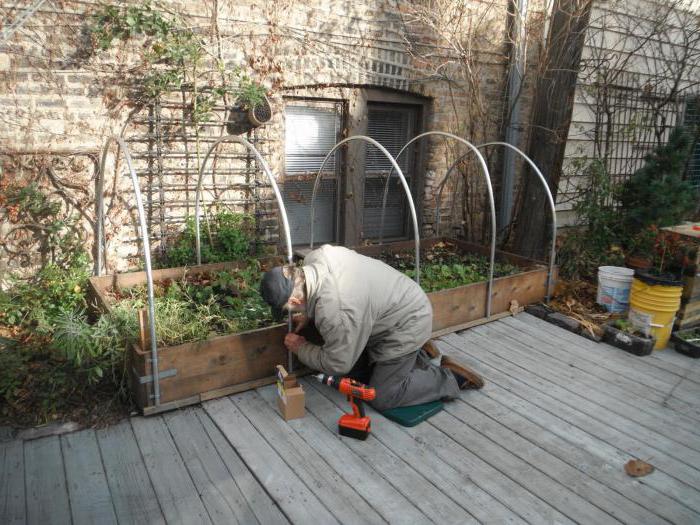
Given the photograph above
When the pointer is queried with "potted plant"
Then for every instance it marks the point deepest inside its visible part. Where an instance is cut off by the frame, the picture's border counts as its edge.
(687, 342)
(640, 249)
(251, 109)
(623, 334)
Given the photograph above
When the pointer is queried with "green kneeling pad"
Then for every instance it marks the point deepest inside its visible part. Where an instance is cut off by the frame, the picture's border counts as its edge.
(410, 416)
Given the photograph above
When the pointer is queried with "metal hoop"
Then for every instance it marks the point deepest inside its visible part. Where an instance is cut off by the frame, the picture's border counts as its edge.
(395, 166)
(278, 196)
(489, 189)
(548, 193)
(142, 232)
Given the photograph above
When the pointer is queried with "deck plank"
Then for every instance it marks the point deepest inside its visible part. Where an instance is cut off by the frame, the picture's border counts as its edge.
(378, 492)
(47, 494)
(134, 499)
(395, 468)
(218, 490)
(291, 493)
(90, 499)
(12, 508)
(577, 448)
(587, 487)
(628, 394)
(670, 473)
(264, 507)
(641, 420)
(331, 487)
(450, 467)
(653, 364)
(570, 504)
(613, 360)
(176, 493)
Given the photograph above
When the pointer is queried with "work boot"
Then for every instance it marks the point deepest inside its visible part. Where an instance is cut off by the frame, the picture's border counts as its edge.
(466, 378)
(430, 349)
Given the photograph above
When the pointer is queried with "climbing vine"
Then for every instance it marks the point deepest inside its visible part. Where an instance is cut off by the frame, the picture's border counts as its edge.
(173, 57)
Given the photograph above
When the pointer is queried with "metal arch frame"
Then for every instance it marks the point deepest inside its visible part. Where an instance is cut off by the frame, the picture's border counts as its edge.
(278, 196)
(489, 189)
(548, 193)
(395, 166)
(145, 243)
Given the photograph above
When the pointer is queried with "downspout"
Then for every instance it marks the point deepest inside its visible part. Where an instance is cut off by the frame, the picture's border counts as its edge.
(516, 73)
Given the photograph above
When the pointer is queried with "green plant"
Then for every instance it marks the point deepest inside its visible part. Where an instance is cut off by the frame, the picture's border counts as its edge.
(657, 194)
(692, 336)
(443, 267)
(54, 289)
(225, 236)
(595, 239)
(250, 94)
(92, 349)
(172, 54)
(198, 306)
(13, 365)
(642, 244)
(626, 326)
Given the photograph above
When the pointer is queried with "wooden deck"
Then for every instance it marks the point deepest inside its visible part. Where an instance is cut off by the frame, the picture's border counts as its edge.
(545, 441)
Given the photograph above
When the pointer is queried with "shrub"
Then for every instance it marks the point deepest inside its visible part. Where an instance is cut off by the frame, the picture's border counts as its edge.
(226, 236)
(657, 194)
(594, 240)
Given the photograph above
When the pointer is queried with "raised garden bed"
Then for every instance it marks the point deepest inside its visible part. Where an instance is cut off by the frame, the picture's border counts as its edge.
(687, 342)
(217, 365)
(194, 371)
(444, 259)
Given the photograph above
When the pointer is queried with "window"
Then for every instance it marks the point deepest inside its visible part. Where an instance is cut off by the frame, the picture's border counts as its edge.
(357, 173)
(392, 126)
(312, 129)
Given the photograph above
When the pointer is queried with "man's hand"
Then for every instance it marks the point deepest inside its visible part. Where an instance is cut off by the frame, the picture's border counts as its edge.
(293, 342)
(300, 321)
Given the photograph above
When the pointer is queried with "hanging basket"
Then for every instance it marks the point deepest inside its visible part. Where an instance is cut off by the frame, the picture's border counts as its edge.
(241, 120)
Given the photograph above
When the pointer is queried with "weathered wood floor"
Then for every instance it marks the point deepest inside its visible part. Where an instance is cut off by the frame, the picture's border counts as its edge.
(545, 441)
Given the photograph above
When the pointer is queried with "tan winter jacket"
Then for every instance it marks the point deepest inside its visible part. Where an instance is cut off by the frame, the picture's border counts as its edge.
(359, 302)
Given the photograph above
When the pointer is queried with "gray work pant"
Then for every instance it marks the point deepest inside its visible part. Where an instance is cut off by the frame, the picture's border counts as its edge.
(411, 380)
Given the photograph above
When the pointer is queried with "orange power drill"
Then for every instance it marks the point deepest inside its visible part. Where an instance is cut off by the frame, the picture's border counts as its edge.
(357, 424)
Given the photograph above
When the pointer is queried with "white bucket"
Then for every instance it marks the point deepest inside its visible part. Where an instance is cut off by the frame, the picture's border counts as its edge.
(614, 284)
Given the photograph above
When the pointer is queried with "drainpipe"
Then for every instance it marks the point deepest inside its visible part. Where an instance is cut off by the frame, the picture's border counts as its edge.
(516, 73)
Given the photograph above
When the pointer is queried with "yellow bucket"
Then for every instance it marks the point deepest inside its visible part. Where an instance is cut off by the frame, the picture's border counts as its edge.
(653, 309)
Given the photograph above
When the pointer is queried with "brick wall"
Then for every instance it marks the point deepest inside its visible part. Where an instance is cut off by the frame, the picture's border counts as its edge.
(55, 103)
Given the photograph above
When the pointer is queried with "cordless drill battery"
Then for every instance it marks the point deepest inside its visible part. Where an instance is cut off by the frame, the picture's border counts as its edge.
(356, 425)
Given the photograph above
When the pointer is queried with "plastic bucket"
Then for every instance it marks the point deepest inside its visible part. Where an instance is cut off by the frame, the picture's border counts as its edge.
(614, 287)
(653, 309)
